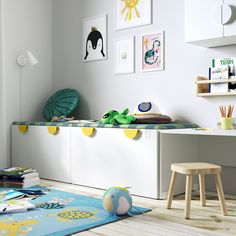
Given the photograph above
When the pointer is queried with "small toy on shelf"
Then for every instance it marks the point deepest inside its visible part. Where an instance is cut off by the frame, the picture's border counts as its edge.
(114, 117)
(146, 108)
(149, 113)
(117, 201)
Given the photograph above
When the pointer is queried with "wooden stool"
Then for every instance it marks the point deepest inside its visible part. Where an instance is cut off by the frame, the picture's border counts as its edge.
(201, 169)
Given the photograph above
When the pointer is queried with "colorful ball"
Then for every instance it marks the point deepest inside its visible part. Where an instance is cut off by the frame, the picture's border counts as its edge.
(117, 201)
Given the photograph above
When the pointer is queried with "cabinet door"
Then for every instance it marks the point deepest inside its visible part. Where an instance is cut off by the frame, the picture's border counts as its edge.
(109, 158)
(20, 151)
(52, 153)
(49, 154)
(201, 20)
(230, 27)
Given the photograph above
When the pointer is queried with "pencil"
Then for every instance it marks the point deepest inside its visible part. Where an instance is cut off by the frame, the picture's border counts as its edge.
(229, 111)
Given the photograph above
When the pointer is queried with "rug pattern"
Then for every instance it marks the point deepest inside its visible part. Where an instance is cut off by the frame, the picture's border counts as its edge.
(59, 213)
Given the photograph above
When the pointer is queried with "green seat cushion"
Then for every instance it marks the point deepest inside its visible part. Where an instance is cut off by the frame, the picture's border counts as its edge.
(63, 103)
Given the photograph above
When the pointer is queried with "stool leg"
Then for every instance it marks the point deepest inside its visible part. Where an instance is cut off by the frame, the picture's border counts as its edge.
(188, 193)
(220, 193)
(202, 189)
(171, 189)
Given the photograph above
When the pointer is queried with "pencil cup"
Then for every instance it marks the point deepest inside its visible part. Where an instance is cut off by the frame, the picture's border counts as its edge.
(226, 123)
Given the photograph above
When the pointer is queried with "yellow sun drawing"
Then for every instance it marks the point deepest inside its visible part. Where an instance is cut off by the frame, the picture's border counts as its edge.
(130, 9)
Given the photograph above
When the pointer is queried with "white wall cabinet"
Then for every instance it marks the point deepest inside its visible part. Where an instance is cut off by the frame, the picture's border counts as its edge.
(210, 23)
(106, 158)
(230, 28)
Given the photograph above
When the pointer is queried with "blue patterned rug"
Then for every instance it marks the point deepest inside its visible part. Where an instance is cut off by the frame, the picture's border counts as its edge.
(59, 213)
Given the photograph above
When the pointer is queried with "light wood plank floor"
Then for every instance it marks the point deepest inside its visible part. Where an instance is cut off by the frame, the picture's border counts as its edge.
(159, 220)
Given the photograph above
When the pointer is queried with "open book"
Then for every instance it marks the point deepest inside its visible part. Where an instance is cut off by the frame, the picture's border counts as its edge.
(10, 194)
(15, 206)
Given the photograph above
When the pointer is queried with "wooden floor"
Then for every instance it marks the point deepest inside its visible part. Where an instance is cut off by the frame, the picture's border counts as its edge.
(161, 221)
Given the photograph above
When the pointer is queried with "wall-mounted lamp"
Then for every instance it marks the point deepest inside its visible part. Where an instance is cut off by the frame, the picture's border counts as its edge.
(28, 58)
(23, 60)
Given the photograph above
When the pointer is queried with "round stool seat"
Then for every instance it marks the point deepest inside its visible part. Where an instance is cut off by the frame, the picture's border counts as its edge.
(195, 168)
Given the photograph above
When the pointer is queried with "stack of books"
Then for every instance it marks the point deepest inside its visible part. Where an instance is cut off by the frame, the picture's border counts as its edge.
(18, 177)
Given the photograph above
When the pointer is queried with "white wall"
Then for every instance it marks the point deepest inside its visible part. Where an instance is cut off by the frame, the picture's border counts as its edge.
(27, 25)
(67, 42)
(1, 85)
(101, 90)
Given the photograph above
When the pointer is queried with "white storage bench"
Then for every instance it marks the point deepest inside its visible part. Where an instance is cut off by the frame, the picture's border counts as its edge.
(97, 155)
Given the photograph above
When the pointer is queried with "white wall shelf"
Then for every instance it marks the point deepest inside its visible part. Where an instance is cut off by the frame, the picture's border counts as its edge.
(217, 81)
(202, 87)
(216, 94)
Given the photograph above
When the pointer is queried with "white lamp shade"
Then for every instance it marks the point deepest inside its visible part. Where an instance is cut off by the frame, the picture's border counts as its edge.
(31, 58)
(28, 58)
(21, 60)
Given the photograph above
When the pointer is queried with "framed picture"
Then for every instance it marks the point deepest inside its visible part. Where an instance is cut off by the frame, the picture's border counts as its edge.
(152, 52)
(132, 13)
(95, 38)
(124, 55)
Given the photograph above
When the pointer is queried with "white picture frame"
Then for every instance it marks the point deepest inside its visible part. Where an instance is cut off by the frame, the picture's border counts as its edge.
(124, 55)
(95, 38)
(152, 51)
(133, 15)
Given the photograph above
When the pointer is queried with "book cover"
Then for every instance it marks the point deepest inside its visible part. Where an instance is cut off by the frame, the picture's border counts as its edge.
(231, 63)
(227, 61)
(15, 206)
(20, 184)
(209, 75)
(7, 195)
(30, 175)
(219, 73)
(20, 177)
(29, 180)
(17, 182)
(16, 171)
(31, 184)
(11, 184)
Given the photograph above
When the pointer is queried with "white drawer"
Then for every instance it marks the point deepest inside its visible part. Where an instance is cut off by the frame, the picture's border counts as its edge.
(109, 158)
(37, 148)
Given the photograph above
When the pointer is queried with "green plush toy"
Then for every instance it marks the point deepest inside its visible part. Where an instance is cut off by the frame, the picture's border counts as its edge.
(114, 117)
